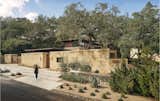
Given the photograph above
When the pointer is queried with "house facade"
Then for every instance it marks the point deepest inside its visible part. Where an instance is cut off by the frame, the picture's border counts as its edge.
(103, 60)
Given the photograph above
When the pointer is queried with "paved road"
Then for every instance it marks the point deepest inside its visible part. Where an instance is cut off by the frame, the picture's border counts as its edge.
(15, 91)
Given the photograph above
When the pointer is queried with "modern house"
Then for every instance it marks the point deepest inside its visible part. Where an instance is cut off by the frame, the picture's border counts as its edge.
(103, 60)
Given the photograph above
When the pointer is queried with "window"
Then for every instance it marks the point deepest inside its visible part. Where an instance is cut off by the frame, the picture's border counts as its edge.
(60, 59)
(112, 55)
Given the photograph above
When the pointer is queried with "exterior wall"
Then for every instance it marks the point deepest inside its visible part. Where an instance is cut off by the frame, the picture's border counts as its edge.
(133, 53)
(19, 59)
(98, 59)
(11, 58)
(1, 58)
(7, 58)
(15, 58)
(30, 59)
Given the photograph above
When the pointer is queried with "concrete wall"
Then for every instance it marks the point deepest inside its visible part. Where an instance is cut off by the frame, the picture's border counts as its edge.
(10, 58)
(30, 59)
(98, 59)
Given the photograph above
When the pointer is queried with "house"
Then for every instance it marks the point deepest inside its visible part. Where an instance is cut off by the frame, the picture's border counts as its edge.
(103, 60)
(30, 57)
(74, 51)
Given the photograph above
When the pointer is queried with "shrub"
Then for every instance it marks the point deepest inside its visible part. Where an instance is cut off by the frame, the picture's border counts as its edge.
(104, 96)
(64, 67)
(95, 82)
(78, 66)
(75, 77)
(85, 68)
(70, 88)
(75, 86)
(74, 66)
(142, 80)
(18, 73)
(92, 94)
(7, 70)
(61, 86)
(67, 84)
(4, 71)
(13, 74)
(96, 90)
(123, 95)
(81, 90)
(85, 88)
(96, 71)
(108, 93)
(120, 99)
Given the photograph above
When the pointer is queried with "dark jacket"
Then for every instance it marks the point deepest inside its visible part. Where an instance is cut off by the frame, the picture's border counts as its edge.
(36, 70)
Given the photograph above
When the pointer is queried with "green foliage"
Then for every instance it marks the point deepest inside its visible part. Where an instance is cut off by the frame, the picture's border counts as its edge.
(75, 77)
(64, 67)
(80, 90)
(95, 82)
(74, 66)
(81, 67)
(75, 86)
(120, 99)
(96, 90)
(85, 88)
(102, 24)
(142, 80)
(85, 68)
(92, 94)
(96, 71)
(61, 86)
(123, 95)
(108, 93)
(104, 96)
(18, 73)
(70, 88)
(13, 74)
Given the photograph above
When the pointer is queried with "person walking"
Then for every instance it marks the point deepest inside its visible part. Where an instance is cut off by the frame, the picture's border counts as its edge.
(36, 70)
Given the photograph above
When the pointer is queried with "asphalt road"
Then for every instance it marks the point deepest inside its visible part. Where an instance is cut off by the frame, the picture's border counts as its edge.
(16, 91)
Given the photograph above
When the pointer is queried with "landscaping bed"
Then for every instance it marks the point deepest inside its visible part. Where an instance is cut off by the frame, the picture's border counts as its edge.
(103, 93)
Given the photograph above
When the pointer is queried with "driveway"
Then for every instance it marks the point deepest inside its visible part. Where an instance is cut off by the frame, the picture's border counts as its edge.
(47, 79)
(12, 90)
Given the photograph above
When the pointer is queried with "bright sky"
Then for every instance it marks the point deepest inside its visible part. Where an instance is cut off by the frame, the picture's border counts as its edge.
(32, 8)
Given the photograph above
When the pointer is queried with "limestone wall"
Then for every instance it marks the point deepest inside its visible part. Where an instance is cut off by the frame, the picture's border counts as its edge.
(30, 59)
(1, 58)
(98, 59)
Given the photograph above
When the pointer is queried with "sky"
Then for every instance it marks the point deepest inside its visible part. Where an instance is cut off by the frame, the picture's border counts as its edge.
(32, 8)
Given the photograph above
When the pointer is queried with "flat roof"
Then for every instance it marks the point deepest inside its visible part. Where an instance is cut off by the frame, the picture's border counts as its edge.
(45, 50)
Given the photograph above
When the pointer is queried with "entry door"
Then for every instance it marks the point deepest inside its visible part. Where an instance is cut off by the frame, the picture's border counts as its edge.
(47, 60)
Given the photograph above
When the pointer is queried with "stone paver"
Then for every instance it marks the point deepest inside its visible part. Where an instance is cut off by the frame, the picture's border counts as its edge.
(47, 79)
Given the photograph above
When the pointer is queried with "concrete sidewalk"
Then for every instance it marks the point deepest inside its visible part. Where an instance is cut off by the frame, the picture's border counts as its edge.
(47, 79)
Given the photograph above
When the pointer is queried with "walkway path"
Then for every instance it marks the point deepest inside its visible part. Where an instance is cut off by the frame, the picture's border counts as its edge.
(47, 79)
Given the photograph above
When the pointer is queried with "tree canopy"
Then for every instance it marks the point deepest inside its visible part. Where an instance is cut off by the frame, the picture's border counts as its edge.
(103, 24)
